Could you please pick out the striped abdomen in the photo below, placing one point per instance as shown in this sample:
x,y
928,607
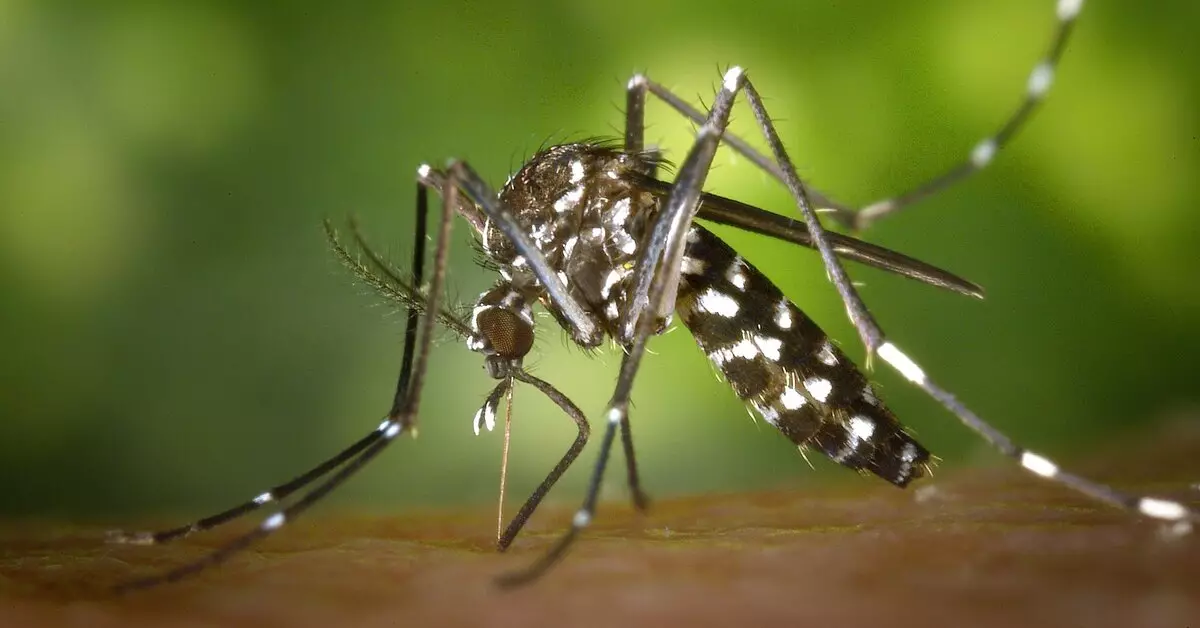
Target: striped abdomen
x,y
784,366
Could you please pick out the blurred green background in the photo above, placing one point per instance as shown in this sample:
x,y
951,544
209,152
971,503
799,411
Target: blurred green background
x,y
177,337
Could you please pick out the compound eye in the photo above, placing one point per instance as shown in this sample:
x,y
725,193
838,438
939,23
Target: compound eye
x,y
509,336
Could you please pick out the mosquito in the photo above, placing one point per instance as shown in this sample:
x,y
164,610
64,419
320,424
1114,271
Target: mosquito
x,y
589,232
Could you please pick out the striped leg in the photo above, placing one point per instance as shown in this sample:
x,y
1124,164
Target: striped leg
x,y
401,417
1040,80
874,339
1149,506
654,283
1036,88
283,491
276,494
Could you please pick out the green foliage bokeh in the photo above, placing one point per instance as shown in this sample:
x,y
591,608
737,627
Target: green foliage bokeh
x,y
176,335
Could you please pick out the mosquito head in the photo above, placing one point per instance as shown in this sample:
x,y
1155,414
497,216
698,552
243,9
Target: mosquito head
x,y
502,328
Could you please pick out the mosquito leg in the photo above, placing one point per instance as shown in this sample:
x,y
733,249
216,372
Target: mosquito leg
x,y
282,491
635,99
1149,506
518,521
635,114
641,500
876,342
277,493
860,316
582,519
665,242
390,430
1037,86
400,418
1040,80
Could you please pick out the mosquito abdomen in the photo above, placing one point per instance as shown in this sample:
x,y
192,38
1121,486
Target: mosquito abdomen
x,y
783,365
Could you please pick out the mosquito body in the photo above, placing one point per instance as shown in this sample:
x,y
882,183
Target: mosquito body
x,y
589,232
588,205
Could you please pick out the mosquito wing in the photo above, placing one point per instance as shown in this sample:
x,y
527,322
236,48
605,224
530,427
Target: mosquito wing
x,y
726,211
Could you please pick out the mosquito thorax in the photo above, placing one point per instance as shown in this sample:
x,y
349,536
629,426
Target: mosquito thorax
x,y
584,210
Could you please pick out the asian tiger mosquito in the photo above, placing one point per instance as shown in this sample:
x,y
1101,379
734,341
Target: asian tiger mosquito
x,y
588,231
